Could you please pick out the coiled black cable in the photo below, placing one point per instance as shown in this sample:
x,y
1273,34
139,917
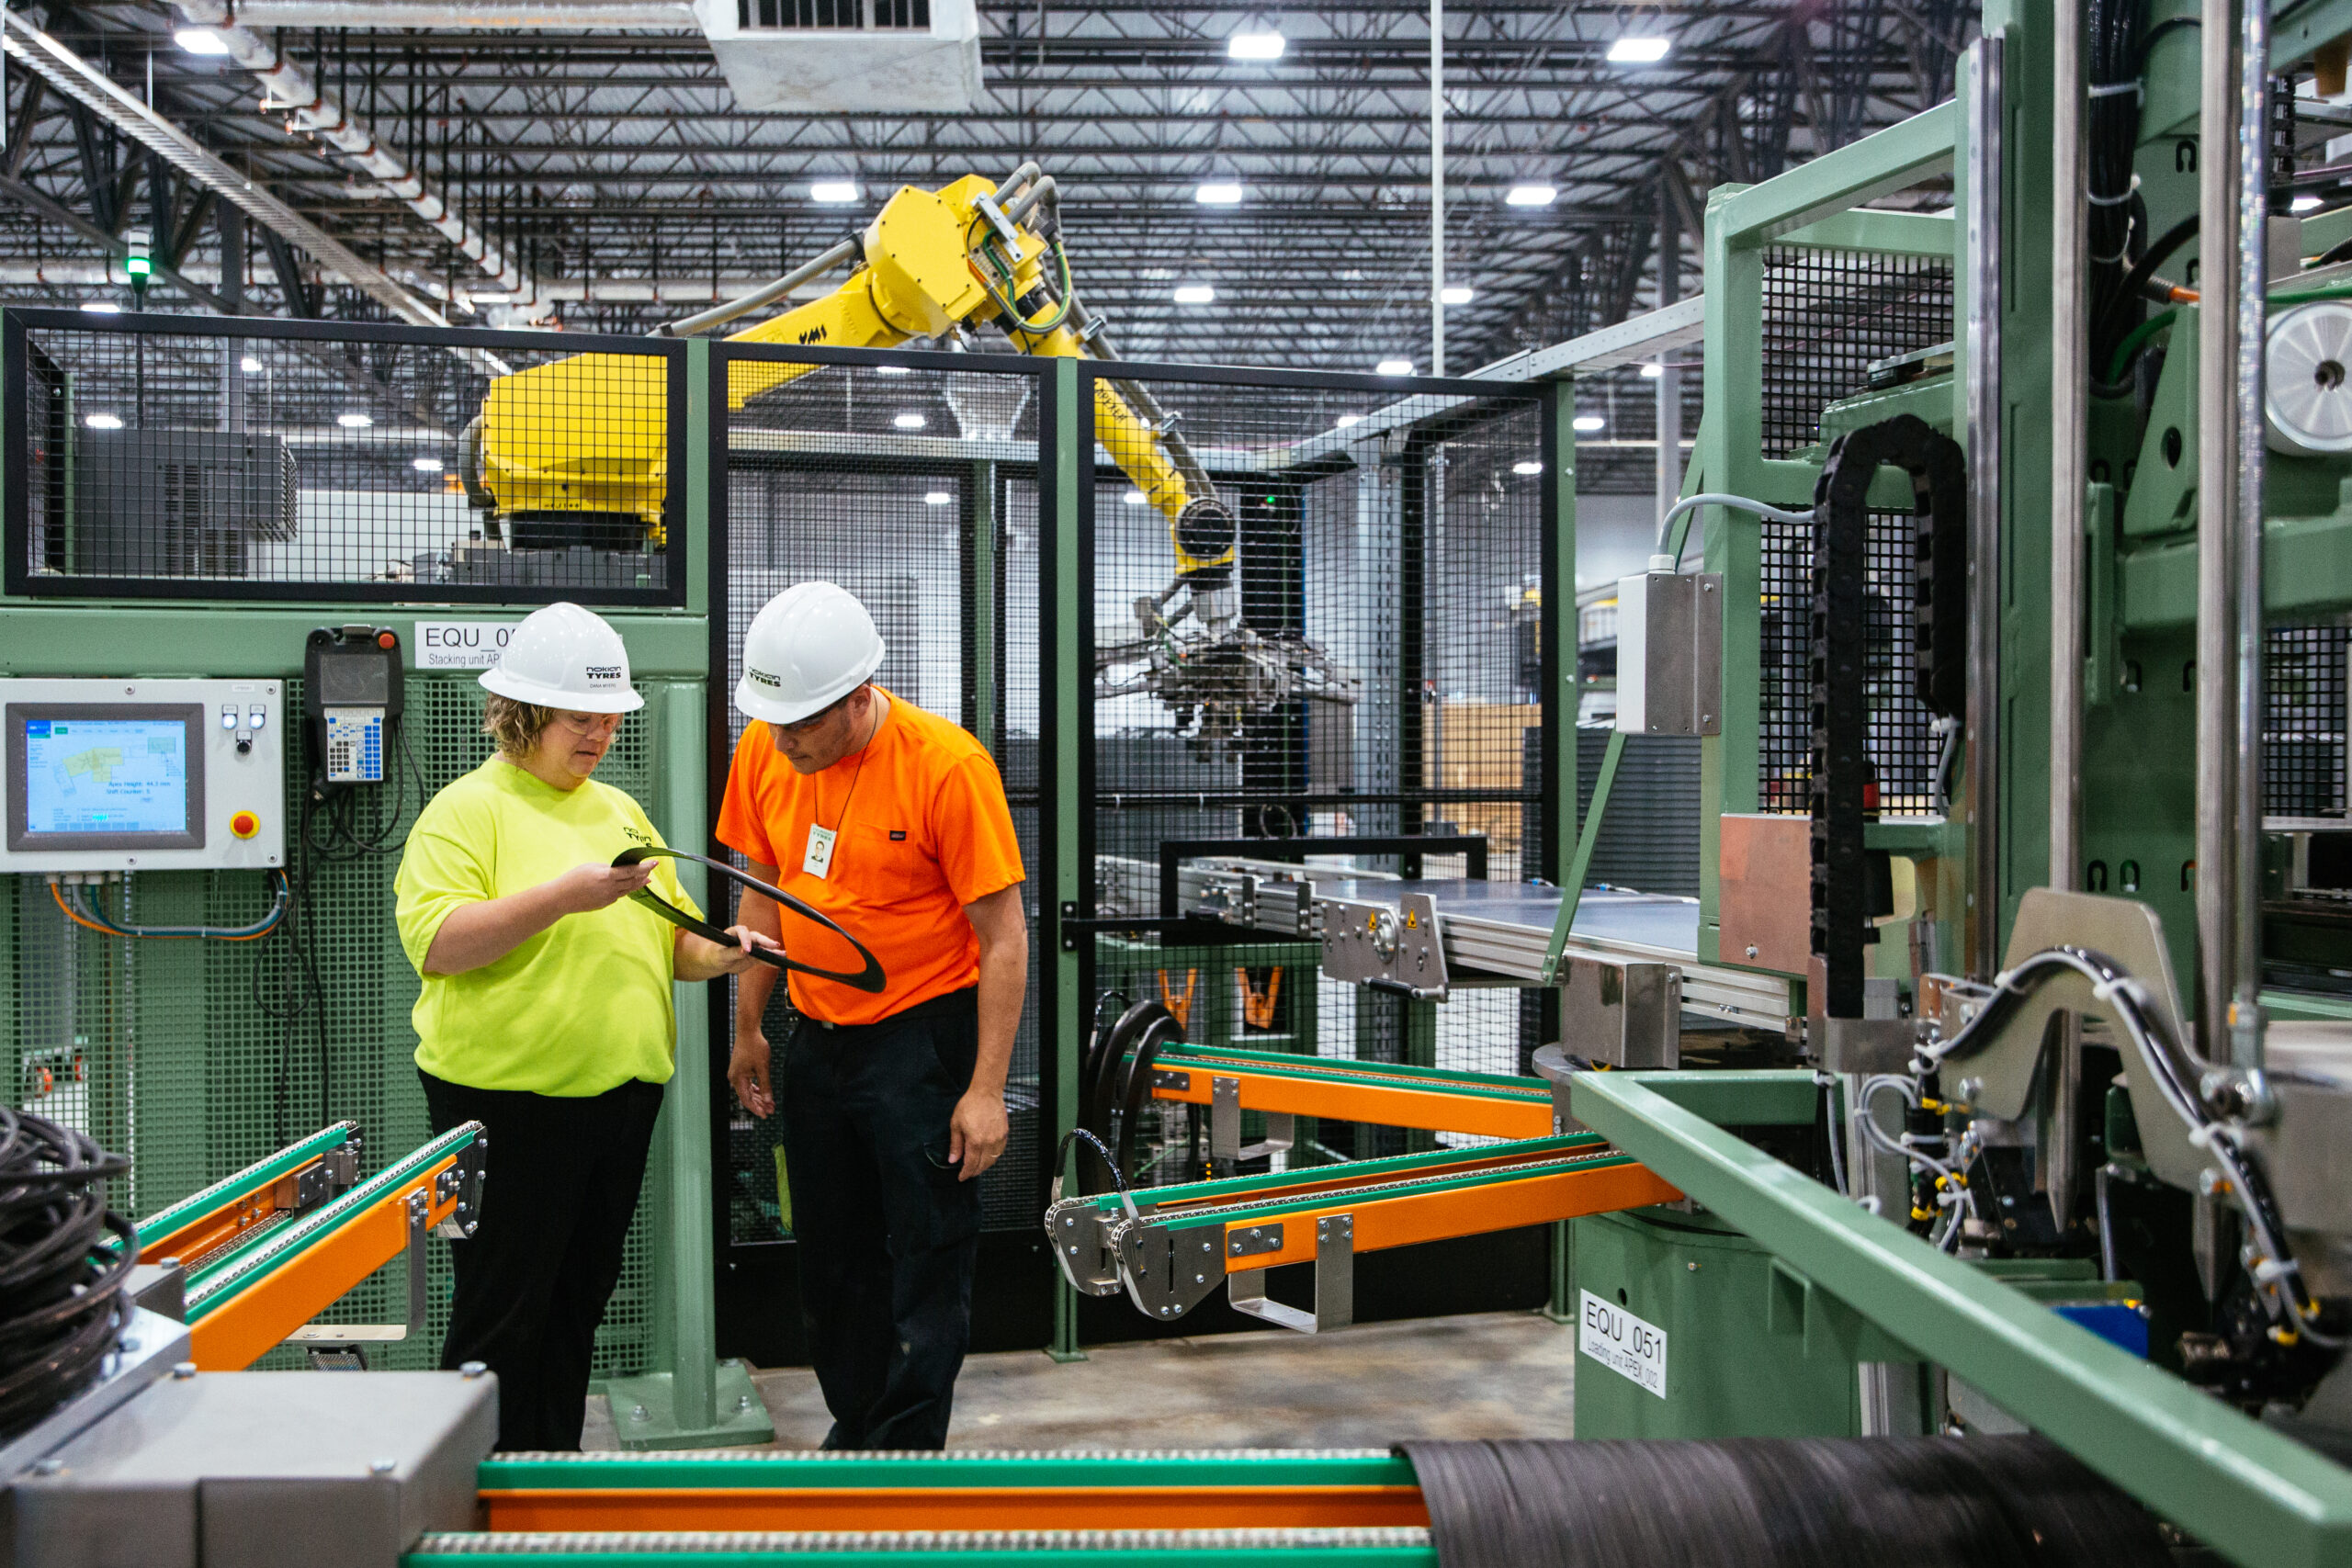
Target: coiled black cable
x,y
61,1305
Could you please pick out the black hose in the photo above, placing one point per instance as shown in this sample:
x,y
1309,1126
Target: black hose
x,y
1098,1092
1137,1086
869,979
61,1285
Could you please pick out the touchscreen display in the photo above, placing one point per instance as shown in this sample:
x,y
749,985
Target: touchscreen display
x,y
106,775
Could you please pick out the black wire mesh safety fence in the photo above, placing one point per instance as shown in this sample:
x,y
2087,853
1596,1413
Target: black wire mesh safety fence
x,y
1309,596
2304,729
1838,323
225,460
915,488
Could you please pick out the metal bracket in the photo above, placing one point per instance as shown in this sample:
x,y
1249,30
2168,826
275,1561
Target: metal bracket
x,y
1226,1148
1335,1282
463,1181
1399,949
335,1346
1161,1077
1083,1247
1168,1272
1255,1239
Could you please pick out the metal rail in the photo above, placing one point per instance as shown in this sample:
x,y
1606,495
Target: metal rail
x,y
200,1222
2251,1493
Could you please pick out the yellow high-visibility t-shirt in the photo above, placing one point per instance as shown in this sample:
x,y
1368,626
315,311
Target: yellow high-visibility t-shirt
x,y
582,1006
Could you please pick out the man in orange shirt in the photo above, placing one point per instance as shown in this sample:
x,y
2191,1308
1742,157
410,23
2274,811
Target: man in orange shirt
x,y
894,822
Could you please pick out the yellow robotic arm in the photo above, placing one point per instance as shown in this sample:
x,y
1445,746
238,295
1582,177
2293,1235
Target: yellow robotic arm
x,y
572,452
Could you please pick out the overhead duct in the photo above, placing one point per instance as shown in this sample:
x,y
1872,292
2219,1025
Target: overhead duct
x,y
320,113
67,274
91,87
893,55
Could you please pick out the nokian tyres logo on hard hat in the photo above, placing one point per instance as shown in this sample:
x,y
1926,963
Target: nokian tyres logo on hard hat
x,y
762,678
606,673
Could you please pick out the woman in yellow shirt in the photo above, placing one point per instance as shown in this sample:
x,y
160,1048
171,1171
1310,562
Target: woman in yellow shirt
x,y
546,1011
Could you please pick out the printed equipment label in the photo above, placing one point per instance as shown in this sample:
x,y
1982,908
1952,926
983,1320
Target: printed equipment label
x,y
1622,1342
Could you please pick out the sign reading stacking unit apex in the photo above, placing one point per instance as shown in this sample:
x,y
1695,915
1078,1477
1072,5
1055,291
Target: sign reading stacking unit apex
x,y
1624,1343
142,775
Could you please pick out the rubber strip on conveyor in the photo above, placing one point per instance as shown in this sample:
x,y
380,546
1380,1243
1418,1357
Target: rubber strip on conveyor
x,y
1396,1544
1994,1501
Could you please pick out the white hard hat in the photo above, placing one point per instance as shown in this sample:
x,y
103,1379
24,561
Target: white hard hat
x,y
809,646
565,657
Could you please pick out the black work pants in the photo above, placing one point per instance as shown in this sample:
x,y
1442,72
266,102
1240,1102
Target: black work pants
x,y
887,1233
559,1188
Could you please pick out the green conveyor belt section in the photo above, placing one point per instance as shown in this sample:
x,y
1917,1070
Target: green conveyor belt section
x,y
1274,1207
163,1222
966,1468
1435,1081
236,1268
1395,1169
1390,1547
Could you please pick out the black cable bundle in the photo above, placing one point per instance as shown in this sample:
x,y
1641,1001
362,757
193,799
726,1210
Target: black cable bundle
x,y
61,1306
1999,1502
2116,225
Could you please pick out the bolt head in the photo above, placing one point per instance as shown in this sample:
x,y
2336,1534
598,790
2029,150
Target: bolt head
x,y
638,1413
184,1371
384,1466
49,1466
472,1369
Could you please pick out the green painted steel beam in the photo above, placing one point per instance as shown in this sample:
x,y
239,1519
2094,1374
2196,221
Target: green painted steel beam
x,y
2306,567
1930,234
1068,881
806,1469
1749,1098
2298,30
231,639
1884,161
2251,1493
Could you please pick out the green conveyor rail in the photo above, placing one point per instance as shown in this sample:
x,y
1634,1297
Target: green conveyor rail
x,y
985,1468
1276,1187
229,1188
237,1268
2251,1493
1323,1070
1380,1546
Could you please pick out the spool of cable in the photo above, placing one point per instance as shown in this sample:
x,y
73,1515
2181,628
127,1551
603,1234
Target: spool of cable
x,y
1778,1502
62,1307
2307,402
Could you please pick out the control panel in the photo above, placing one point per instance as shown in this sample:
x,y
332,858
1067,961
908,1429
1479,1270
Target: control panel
x,y
142,775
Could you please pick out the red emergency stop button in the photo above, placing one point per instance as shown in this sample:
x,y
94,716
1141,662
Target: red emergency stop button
x,y
244,824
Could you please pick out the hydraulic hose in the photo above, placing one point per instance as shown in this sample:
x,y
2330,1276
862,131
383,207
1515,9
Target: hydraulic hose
x,y
869,979
1712,498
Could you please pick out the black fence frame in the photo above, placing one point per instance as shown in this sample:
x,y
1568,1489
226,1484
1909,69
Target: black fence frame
x,y
15,519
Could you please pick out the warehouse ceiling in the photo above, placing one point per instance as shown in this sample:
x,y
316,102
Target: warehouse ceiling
x,y
613,164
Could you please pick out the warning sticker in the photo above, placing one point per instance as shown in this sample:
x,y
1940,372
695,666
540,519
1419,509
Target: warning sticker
x,y
1622,1342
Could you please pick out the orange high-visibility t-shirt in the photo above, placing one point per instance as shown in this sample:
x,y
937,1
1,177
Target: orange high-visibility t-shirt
x,y
923,829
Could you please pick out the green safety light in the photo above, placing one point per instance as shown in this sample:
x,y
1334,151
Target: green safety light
x,y
139,264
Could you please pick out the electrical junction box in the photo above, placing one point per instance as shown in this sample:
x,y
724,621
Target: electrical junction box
x,y
142,775
1670,653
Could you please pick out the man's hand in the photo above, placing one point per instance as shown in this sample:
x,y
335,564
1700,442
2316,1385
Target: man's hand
x,y
976,1134
596,886
747,1069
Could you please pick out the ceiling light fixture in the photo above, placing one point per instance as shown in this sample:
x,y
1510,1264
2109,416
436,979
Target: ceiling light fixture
x,y
833,191
1530,195
1255,46
1639,51
1454,294
1348,419
1586,424
1133,497
1195,294
102,307
1393,367
104,422
1529,467
426,465
354,421
250,365
907,420
1219,193
200,40
936,498
1652,371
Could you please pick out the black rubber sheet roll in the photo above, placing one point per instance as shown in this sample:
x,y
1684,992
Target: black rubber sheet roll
x,y
869,978
1993,1502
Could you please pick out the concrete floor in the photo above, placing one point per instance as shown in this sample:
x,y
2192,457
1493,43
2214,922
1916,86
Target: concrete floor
x,y
1491,1375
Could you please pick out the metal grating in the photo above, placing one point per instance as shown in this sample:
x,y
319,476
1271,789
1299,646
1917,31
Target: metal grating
x,y
893,482
171,1050
168,463
1387,579
1827,316
2303,755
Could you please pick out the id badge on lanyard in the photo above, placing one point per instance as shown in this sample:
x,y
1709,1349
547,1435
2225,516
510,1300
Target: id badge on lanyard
x,y
819,861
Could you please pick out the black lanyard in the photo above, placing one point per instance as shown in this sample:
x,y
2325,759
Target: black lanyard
x,y
870,979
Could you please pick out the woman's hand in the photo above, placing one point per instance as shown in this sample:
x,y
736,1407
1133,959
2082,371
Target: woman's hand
x,y
593,886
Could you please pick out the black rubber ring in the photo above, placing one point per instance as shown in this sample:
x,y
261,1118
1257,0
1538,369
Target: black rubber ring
x,y
869,979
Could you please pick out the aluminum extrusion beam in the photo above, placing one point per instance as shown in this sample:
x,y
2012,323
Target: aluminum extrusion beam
x,y
1879,165
2255,1495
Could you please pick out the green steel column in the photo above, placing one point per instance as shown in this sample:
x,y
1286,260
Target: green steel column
x,y
1563,696
1730,453
1069,635
985,677
695,1401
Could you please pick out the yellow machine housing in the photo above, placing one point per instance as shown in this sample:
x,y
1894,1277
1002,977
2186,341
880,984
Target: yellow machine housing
x,y
573,451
